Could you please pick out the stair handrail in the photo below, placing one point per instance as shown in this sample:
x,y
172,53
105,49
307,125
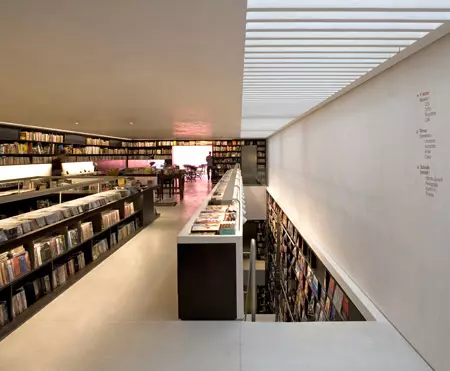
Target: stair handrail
x,y
251,281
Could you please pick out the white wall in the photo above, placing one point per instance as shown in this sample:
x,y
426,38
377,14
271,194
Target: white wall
x,y
255,202
347,177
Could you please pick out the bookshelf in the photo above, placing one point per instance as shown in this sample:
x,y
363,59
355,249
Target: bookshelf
x,y
25,146
299,285
37,266
227,153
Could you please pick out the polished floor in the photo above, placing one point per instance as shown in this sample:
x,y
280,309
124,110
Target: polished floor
x,y
122,316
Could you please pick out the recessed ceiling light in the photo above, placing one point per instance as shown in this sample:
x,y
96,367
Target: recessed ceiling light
x,y
76,123
131,123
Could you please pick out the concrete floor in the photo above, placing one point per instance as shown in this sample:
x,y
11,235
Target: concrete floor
x,y
123,316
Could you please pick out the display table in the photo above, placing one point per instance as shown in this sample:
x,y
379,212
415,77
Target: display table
x,y
210,267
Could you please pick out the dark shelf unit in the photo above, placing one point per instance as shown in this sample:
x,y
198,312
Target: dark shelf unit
x,y
11,134
300,286
223,163
143,215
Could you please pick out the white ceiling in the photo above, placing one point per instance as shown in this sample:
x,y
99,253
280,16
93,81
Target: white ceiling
x,y
196,68
299,54
172,67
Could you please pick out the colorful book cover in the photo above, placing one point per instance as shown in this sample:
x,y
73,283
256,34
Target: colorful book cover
x,y
345,308
331,287
327,306
337,298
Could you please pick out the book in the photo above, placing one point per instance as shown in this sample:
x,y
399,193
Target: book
x,y
113,239
87,231
19,302
79,261
331,287
338,298
345,308
327,307
73,238
99,248
13,264
109,218
47,248
128,209
4,317
125,231
59,275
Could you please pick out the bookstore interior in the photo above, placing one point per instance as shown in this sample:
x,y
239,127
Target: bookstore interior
x,y
246,185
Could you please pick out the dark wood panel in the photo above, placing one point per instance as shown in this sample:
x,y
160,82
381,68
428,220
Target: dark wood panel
x,y
9,133
74,138
207,281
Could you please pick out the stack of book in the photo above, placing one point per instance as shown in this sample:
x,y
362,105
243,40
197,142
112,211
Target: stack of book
x,y
48,248
13,264
209,220
99,248
110,218
129,209
126,231
19,302
4,318
87,231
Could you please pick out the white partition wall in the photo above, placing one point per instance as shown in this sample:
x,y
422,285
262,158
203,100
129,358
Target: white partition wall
x,y
367,177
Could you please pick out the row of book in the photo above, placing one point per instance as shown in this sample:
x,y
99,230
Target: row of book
x,y
61,274
226,155
48,248
11,228
25,160
37,288
151,157
27,148
153,143
150,152
239,143
41,137
32,291
19,302
15,161
4,317
99,248
13,264
86,158
94,151
126,230
97,141
226,148
128,209
110,218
